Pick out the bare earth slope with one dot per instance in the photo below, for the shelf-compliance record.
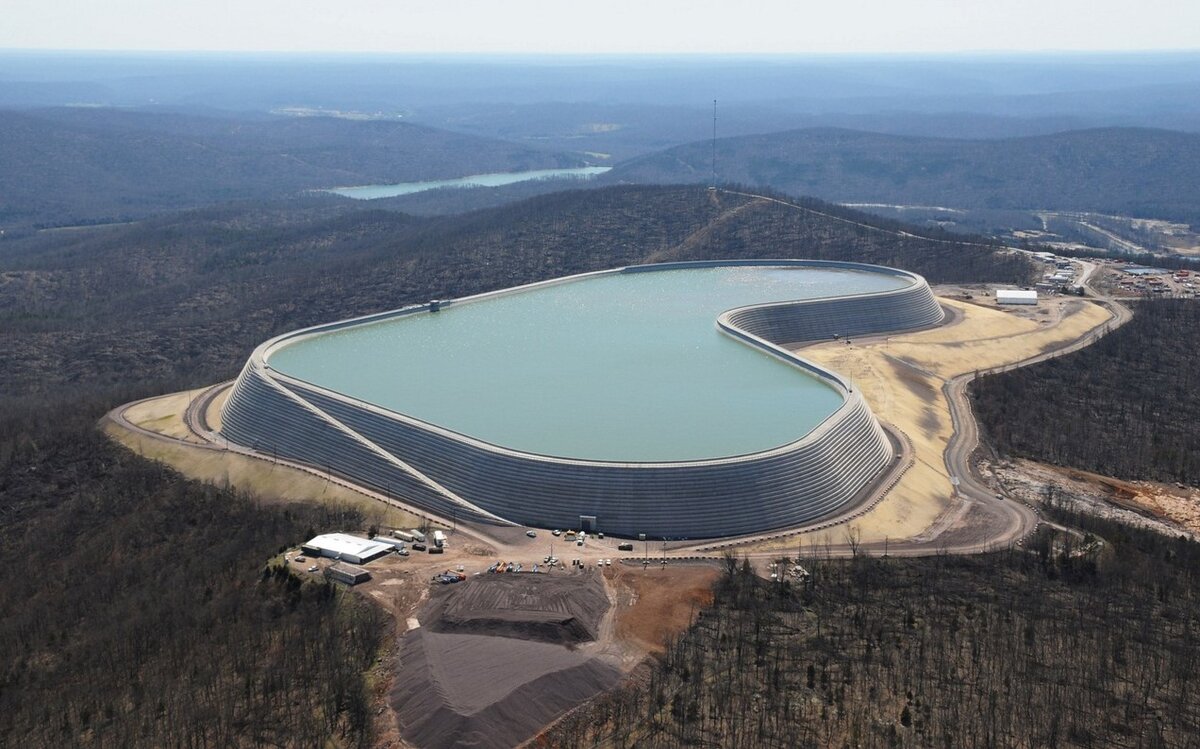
(487, 667)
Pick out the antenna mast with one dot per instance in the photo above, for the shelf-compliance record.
(713, 186)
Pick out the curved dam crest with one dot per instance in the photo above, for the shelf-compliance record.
(623, 367)
(766, 445)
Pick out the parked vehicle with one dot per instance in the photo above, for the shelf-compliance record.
(418, 547)
(439, 539)
(531, 534)
(624, 547)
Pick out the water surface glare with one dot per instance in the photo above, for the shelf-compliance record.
(616, 367)
(371, 192)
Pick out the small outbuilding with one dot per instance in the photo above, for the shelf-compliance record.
(346, 548)
(347, 573)
(1016, 296)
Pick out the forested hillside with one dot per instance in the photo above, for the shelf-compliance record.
(1125, 406)
(138, 599)
(1134, 171)
(1074, 641)
(71, 166)
(189, 296)
(135, 609)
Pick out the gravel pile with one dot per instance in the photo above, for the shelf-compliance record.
(497, 658)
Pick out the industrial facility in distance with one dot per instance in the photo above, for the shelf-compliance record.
(658, 400)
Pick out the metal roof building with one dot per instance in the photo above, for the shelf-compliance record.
(1016, 296)
(346, 548)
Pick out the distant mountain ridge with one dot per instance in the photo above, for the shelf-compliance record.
(80, 165)
(1136, 171)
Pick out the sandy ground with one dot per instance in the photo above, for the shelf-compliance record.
(165, 415)
(656, 603)
(902, 377)
(213, 415)
(474, 676)
(1167, 508)
(265, 480)
(454, 688)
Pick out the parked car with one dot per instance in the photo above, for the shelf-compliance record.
(531, 534)
(418, 547)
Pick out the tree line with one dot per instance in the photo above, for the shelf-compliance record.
(1125, 406)
(135, 608)
(1083, 639)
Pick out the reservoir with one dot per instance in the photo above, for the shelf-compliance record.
(370, 192)
(626, 367)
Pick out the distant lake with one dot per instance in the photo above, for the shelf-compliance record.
(370, 192)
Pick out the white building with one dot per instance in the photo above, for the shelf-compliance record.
(1016, 296)
(346, 548)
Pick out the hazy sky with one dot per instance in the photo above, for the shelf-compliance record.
(627, 26)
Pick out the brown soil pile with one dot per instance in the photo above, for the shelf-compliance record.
(497, 658)
(550, 609)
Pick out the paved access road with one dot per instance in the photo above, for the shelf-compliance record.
(981, 520)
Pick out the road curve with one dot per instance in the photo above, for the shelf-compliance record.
(1012, 520)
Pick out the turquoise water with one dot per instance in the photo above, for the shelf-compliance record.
(370, 192)
(619, 367)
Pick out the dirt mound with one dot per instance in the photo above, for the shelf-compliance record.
(542, 608)
(458, 690)
(497, 658)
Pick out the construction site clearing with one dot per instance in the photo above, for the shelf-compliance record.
(507, 624)
(489, 652)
